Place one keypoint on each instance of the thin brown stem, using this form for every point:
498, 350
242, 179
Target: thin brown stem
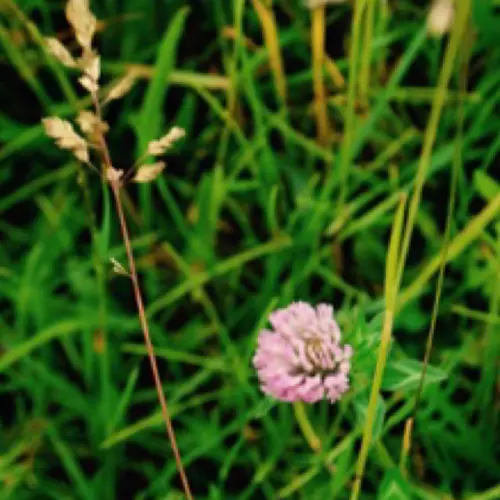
115, 184
115, 187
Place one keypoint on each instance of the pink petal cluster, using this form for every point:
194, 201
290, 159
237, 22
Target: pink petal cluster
302, 359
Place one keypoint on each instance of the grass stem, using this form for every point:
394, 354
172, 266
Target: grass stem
350, 112
271, 40
318, 29
462, 16
306, 427
115, 188
366, 56
390, 294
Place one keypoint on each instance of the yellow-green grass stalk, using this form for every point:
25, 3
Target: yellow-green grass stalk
413, 95
232, 95
490, 494
458, 244
366, 56
269, 27
457, 163
232, 69
334, 72
490, 375
383, 14
318, 29
472, 314
390, 294
461, 19
350, 112
306, 427
406, 445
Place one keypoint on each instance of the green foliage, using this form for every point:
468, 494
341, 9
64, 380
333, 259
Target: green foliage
394, 487
251, 213
405, 375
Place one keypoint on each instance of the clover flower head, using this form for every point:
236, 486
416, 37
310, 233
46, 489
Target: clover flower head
302, 358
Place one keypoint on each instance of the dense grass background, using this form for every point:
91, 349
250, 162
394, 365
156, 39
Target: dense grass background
254, 211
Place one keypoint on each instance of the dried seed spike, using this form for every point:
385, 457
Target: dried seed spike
148, 173
88, 84
81, 154
113, 174
86, 121
60, 52
66, 138
121, 87
118, 268
90, 123
440, 17
92, 66
174, 134
156, 148
83, 22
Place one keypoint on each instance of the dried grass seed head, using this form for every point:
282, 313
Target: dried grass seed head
90, 64
66, 138
113, 175
83, 22
88, 84
159, 147
60, 52
440, 17
149, 172
90, 124
121, 87
118, 267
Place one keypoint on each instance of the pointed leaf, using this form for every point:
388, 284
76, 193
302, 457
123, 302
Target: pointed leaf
404, 375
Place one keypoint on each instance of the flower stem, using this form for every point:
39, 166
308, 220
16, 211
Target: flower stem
115, 184
454, 45
305, 426
391, 290
115, 187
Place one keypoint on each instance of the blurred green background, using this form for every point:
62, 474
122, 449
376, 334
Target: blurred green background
267, 200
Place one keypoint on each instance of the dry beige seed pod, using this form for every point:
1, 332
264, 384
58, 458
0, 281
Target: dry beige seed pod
90, 64
113, 174
66, 138
83, 22
91, 124
120, 88
148, 173
157, 148
118, 268
440, 17
88, 84
60, 52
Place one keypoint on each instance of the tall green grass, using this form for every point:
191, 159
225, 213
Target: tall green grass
255, 210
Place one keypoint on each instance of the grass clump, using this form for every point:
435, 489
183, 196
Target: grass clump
342, 153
